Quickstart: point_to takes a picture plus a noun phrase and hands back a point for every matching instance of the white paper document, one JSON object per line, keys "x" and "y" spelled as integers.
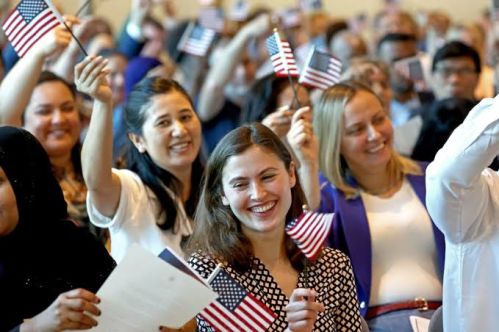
{"x": 144, "y": 292}
{"x": 419, "y": 324}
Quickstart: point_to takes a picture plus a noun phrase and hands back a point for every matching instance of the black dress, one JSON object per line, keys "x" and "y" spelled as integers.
{"x": 46, "y": 254}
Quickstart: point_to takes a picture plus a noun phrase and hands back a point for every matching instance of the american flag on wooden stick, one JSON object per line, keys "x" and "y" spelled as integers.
{"x": 321, "y": 70}
{"x": 310, "y": 231}
{"x": 28, "y": 23}
{"x": 196, "y": 40}
{"x": 281, "y": 56}
{"x": 236, "y": 309}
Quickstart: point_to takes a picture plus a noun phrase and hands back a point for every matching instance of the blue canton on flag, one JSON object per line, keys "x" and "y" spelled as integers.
{"x": 231, "y": 293}
{"x": 321, "y": 70}
{"x": 235, "y": 310}
{"x": 196, "y": 40}
{"x": 28, "y": 23}
{"x": 281, "y": 56}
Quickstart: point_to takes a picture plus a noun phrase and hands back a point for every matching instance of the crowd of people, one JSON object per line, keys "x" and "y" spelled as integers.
{"x": 214, "y": 156}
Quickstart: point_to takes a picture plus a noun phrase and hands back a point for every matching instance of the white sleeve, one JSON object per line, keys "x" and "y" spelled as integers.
{"x": 461, "y": 192}
{"x": 133, "y": 197}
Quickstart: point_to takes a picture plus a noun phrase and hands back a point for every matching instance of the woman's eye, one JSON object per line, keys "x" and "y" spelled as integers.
{"x": 43, "y": 111}
{"x": 186, "y": 118}
{"x": 163, "y": 123}
{"x": 68, "y": 109}
{"x": 354, "y": 131}
{"x": 269, "y": 177}
{"x": 379, "y": 119}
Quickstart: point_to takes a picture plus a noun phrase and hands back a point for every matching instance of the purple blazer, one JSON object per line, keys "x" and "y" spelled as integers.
{"x": 350, "y": 232}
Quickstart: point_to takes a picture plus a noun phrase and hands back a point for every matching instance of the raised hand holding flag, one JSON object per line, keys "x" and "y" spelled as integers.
{"x": 28, "y": 22}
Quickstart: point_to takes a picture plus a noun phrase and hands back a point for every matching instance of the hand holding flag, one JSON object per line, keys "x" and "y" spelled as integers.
{"x": 310, "y": 231}
{"x": 301, "y": 306}
{"x": 36, "y": 22}
{"x": 29, "y": 22}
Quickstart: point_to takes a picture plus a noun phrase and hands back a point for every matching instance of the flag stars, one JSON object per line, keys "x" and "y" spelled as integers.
{"x": 29, "y": 9}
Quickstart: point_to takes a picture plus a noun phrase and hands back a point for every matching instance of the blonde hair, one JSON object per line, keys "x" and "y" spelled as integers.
{"x": 328, "y": 126}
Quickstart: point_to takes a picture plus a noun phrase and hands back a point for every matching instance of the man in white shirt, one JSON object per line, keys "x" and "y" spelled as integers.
{"x": 463, "y": 200}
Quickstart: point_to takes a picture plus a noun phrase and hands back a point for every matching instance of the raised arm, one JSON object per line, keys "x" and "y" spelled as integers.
{"x": 303, "y": 142}
{"x": 18, "y": 85}
{"x": 459, "y": 191}
{"x": 211, "y": 97}
{"x": 97, "y": 151}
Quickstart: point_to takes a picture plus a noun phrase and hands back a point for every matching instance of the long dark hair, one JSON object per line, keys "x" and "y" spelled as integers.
{"x": 155, "y": 177}
{"x": 217, "y": 230}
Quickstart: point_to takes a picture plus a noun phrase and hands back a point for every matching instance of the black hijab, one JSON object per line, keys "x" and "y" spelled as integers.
{"x": 46, "y": 254}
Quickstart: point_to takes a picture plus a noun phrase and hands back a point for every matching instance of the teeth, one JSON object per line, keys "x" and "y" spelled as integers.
{"x": 376, "y": 148}
{"x": 263, "y": 208}
{"x": 180, "y": 146}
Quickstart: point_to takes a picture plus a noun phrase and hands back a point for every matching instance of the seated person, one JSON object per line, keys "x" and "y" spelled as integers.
{"x": 49, "y": 268}
{"x": 250, "y": 193}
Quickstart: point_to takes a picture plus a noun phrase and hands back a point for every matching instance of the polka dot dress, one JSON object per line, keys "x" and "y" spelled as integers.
{"x": 330, "y": 276}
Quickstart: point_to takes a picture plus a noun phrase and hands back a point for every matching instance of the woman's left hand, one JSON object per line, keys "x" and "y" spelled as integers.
{"x": 302, "y": 310}
{"x": 301, "y": 137}
{"x": 90, "y": 78}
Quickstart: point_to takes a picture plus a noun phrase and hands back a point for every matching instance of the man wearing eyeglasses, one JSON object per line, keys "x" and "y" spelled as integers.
{"x": 455, "y": 70}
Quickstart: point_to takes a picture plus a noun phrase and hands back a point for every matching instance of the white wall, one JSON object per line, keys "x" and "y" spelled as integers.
{"x": 462, "y": 10}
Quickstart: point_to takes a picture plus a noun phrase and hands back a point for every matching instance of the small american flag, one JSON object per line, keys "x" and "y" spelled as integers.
{"x": 196, "y": 40}
{"x": 235, "y": 310}
{"x": 281, "y": 56}
{"x": 321, "y": 70}
{"x": 27, "y": 23}
{"x": 309, "y": 231}
{"x": 310, "y": 5}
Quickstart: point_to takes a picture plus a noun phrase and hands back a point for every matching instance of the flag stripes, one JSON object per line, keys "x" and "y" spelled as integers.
{"x": 28, "y": 23}
{"x": 321, "y": 70}
{"x": 281, "y": 56}
{"x": 236, "y": 310}
{"x": 310, "y": 231}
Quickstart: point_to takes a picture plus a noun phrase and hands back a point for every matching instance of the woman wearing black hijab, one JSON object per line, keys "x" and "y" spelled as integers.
{"x": 49, "y": 268}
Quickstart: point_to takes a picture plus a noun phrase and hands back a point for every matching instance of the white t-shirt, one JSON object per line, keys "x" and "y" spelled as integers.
{"x": 135, "y": 220}
{"x": 404, "y": 255}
